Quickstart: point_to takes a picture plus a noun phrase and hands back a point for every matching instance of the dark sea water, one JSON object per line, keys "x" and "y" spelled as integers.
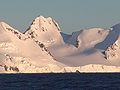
{"x": 66, "y": 81}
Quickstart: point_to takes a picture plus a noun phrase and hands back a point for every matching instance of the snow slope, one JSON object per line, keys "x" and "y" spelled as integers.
{"x": 44, "y": 48}
{"x": 19, "y": 51}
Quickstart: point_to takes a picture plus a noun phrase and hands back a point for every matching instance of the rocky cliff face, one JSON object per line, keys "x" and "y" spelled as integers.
{"x": 113, "y": 52}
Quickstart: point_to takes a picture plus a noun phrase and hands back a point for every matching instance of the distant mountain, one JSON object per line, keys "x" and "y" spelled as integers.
{"x": 43, "y": 47}
{"x": 114, "y": 33}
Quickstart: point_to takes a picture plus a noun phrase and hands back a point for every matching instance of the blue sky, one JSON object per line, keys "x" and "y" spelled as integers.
{"x": 72, "y": 15}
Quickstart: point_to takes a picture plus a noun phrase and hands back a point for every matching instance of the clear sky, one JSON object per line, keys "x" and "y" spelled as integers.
{"x": 72, "y": 15}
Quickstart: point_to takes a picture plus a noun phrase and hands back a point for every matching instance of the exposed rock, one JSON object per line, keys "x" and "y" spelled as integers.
{"x": 113, "y": 52}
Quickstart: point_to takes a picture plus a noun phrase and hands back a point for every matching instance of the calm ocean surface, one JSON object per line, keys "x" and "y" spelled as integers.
{"x": 66, "y": 81}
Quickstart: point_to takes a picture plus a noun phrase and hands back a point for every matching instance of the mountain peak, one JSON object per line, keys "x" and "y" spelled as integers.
{"x": 45, "y": 30}
{"x": 43, "y": 24}
{"x": 40, "y": 19}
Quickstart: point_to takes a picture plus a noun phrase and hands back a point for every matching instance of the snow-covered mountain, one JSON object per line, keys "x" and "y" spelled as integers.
{"x": 114, "y": 33}
{"x": 113, "y": 52}
{"x": 45, "y": 30}
{"x": 43, "y": 47}
{"x": 19, "y": 51}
